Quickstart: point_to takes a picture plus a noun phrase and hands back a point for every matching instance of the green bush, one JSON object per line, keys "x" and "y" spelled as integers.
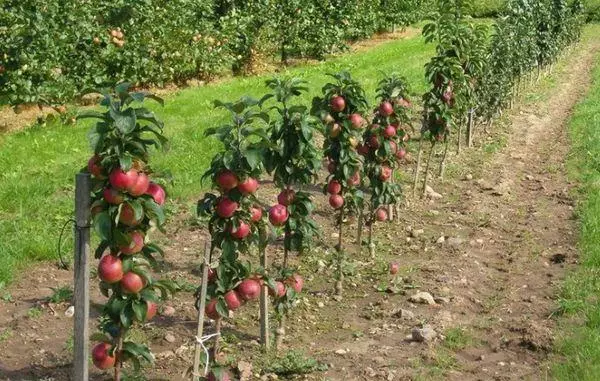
{"x": 50, "y": 50}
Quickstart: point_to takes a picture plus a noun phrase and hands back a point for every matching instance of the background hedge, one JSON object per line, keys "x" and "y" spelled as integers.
{"x": 52, "y": 49}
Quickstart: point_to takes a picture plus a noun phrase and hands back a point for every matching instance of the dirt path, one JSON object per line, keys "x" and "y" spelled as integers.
{"x": 509, "y": 236}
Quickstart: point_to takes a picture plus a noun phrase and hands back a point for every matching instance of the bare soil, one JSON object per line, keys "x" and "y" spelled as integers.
{"x": 509, "y": 236}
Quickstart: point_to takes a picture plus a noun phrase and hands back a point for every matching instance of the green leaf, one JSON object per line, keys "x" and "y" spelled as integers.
{"x": 139, "y": 310}
{"x": 154, "y": 211}
{"x": 125, "y": 121}
{"x": 103, "y": 225}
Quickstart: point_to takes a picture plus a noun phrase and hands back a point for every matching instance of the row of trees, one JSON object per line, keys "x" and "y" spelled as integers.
{"x": 473, "y": 77}
{"x": 274, "y": 136}
{"x": 50, "y": 50}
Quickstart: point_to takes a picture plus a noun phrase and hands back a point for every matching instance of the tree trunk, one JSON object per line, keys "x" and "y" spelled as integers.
{"x": 427, "y": 170}
{"x": 339, "y": 286}
{"x": 443, "y": 162}
{"x": 418, "y": 167}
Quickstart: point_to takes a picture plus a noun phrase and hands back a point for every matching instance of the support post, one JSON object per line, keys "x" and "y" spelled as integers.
{"x": 81, "y": 293}
{"x": 200, "y": 328}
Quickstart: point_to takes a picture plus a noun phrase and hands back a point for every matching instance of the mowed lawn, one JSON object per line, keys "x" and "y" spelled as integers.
{"x": 38, "y": 165}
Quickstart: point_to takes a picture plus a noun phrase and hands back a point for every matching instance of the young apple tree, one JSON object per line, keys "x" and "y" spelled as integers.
{"x": 126, "y": 207}
{"x": 294, "y": 162}
{"x": 341, "y": 108}
{"x": 236, "y": 220}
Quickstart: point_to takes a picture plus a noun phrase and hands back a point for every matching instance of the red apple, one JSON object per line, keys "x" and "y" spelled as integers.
{"x": 390, "y": 131}
{"x": 354, "y": 180}
{"x": 386, "y": 109}
{"x": 336, "y": 201}
{"x": 393, "y": 146}
{"x": 136, "y": 245}
{"x": 110, "y": 269}
{"x": 127, "y": 216}
{"x": 227, "y": 180}
{"x": 357, "y": 120}
{"x": 140, "y": 186}
{"x": 132, "y": 283}
{"x": 286, "y": 197}
{"x": 401, "y": 153}
{"x": 113, "y": 196}
{"x": 95, "y": 168}
{"x": 241, "y": 232}
{"x": 226, "y": 207}
{"x": 256, "y": 213}
{"x": 122, "y": 180}
{"x": 233, "y": 300}
{"x": 362, "y": 149}
{"x": 278, "y": 215}
{"x": 279, "y": 290}
{"x": 211, "y": 309}
{"x": 337, "y": 103}
{"x": 334, "y": 187}
{"x": 373, "y": 142}
{"x": 296, "y": 282}
{"x": 101, "y": 358}
{"x": 157, "y": 193}
{"x": 335, "y": 130}
{"x": 249, "y": 186}
{"x": 151, "y": 309}
{"x": 381, "y": 214}
{"x": 385, "y": 173}
{"x": 394, "y": 268}
{"x": 249, "y": 289}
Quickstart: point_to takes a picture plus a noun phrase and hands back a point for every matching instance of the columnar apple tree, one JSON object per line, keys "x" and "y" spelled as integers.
{"x": 126, "y": 207}
{"x": 341, "y": 108}
{"x": 294, "y": 162}
{"x": 447, "y": 78}
{"x": 384, "y": 147}
{"x": 236, "y": 219}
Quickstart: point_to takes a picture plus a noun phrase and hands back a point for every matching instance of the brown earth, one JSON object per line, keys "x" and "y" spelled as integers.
{"x": 508, "y": 228}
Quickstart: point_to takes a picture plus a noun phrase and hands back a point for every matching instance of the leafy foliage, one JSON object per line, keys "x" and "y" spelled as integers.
{"x": 121, "y": 140}
{"x": 52, "y": 50}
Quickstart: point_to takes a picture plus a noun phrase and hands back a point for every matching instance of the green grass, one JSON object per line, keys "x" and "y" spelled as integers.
{"x": 578, "y": 349}
{"x": 37, "y": 165}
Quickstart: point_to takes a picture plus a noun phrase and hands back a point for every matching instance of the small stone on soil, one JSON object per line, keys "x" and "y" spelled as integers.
{"x": 427, "y": 333}
{"x": 170, "y": 338}
{"x": 422, "y": 297}
{"x": 341, "y": 352}
{"x": 441, "y": 240}
{"x": 168, "y": 311}
{"x": 70, "y": 311}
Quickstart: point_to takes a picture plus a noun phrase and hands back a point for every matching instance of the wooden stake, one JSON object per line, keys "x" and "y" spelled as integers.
{"x": 82, "y": 277}
{"x": 470, "y": 125}
{"x": 339, "y": 285}
{"x": 264, "y": 305}
{"x": 200, "y": 327}
{"x": 360, "y": 229}
{"x": 418, "y": 167}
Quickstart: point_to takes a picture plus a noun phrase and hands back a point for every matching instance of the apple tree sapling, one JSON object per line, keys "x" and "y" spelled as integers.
{"x": 294, "y": 161}
{"x": 236, "y": 221}
{"x": 385, "y": 138}
{"x": 341, "y": 108}
{"x": 126, "y": 207}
